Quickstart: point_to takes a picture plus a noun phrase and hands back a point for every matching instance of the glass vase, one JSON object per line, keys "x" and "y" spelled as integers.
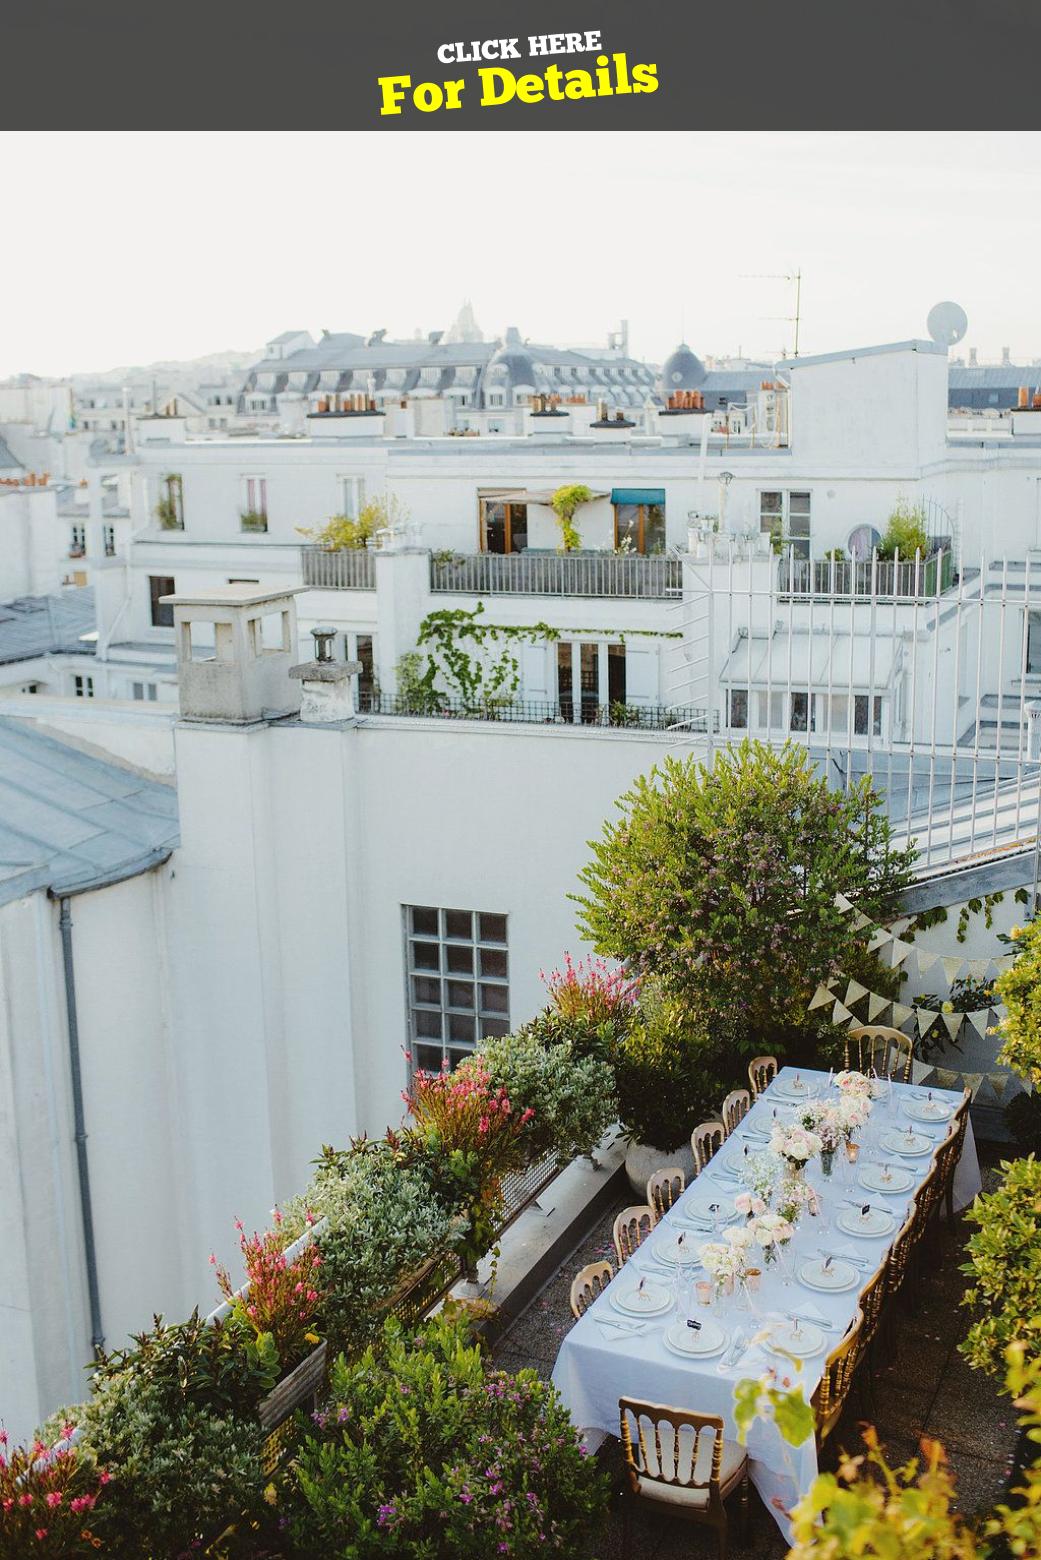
{"x": 827, "y": 1162}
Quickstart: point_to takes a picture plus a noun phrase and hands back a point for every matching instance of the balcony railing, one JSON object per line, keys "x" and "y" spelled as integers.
{"x": 867, "y": 578}
{"x": 557, "y": 574}
{"x": 538, "y": 712}
{"x": 348, "y": 569}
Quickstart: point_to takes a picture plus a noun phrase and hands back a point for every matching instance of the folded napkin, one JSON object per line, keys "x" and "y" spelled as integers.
{"x": 808, "y": 1312}
{"x": 847, "y": 1254}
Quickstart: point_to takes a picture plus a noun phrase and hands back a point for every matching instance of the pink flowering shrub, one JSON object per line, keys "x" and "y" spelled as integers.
{"x": 424, "y": 1450}
{"x": 591, "y": 990}
{"x": 47, "y": 1497}
{"x": 284, "y": 1297}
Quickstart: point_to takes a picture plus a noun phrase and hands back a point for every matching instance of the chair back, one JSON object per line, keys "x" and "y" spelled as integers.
{"x": 762, "y": 1070}
{"x": 871, "y": 1300}
{"x": 926, "y": 1201}
{"x": 877, "y": 1045}
{"x": 900, "y": 1255}
{"x": 836, "y": 1380}
{"x": 673, "y": 1447}
{"x": 706, "y": 1140}
{"x": 664, "y": 1188}
{"x": 629, "y": 1229}
{"x": 735, "y": 1107}
{"x": 587, "y": 1283}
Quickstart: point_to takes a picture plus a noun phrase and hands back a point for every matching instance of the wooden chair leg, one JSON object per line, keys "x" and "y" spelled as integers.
{"x": 722, "y": 1536}
{"x": 627, "y": 1525}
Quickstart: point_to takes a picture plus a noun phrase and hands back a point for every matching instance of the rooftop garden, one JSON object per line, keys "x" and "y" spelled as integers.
{"x": 341, "y": 1401}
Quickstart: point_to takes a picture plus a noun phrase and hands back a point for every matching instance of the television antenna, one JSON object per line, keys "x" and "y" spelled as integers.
{"x": 794, "y": 279}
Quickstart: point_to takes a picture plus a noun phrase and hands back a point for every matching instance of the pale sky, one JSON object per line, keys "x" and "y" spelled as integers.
{"x": 132, "y": 247}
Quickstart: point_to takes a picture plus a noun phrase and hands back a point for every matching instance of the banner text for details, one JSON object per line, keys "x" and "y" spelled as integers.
{"x": 609, "y": 76}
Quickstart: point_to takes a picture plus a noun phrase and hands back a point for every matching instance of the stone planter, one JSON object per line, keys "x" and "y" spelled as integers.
{"x": 293, "y": 1391}
{"x": 641, "y": 1161}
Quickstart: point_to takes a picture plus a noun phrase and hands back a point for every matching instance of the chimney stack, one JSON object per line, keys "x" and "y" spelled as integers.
{"x": 327, "y": 686}
{"x": 1005, "y": 358}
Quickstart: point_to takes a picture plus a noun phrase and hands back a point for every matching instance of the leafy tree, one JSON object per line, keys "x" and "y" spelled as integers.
{"x": 1019, "y": 988}
{"x": 1005, "y": 1268}
{"x": 721, "y": 883}
{"x": 905, "y": 533}
{"x": 342, "y": 534}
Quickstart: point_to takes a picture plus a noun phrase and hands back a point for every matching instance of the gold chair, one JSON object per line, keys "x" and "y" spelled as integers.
{"x": 664, "y": 1188}
{"x": 871, "y": 1301}
{"x": 589, "y": 1282}
{"x": 706, "y": 1140}
{"x": 926, "y": 1201}
{"x": 628, "y": 1230}
{"x": 762, "y": 1070}
{"x": 900, "y": 1256}
{"x": 878, "y": 1046}
{"x": 837, "y": 1379}
{"x": 680, "y": 1461}
{"x": 735, "y": 1108}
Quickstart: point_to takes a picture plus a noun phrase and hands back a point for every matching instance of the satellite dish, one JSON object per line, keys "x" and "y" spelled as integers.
{"x": 947, "y": 323}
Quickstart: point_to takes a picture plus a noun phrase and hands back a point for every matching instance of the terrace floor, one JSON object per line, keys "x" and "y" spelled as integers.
{"x": 923, "y": 1387}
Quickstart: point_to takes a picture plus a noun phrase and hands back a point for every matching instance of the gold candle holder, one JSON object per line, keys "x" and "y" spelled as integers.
{"x": 703, "y": 1291}
{"x": 852, "y": 1151}
{"x": 753, "y": 1277}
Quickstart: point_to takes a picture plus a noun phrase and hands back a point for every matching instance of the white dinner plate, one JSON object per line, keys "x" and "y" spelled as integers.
{"x": 873, "y": 1177}
{"x": 789, "y": 1089}
{"x": 681, "y": 1248}
{"x": 696, "y": 1343}
{"x": 927, "y": 1110}
{"x": 912, "y": 1145}
{"x": 869, "y": 1226}
{"x": 808, "y": 1340}
{"x": 830, "y": 1281}
{"x": 652, "y": 1300}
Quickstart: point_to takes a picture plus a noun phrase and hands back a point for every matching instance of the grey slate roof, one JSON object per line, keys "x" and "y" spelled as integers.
{"x": 70, "y": 821}
{"x": 41, "y": 625}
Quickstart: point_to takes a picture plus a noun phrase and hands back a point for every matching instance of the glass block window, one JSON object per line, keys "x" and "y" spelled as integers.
{"x": 457, "y": 973}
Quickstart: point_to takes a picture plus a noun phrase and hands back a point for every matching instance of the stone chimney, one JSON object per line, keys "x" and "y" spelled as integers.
{"x": 327, "y": 686}
{"x": 972, "y": 357}
{"x": 1005, "y": 357}
{"x": 234, "y": 652}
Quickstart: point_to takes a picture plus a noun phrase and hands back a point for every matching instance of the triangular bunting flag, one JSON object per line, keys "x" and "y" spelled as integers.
{"x": 875, "y": 1006}
{"x": 978, "y": 968}
{"x": 821, "y": 997}
{"x": 980, "y": 1020}
{"x": 900, "y": 951}
{"x": 999, "y": 1082}
{"x": 854, "y": 992}
{"x": 925, "y": 960}
{"x": 951, "y": 967}
{"x": 954, "y": 1022}
{"x": 842, "y": 903}
{"x": 832, "y": 982}
{"x": 945, "y": 1078}
{"x": 972, "y": 1082}
{"x": 926, "y": 1019}
{"x": 901, "y": 1013}
{"x": 840, "y": 1014}
{"x": 879, "y": 938}
{"x": 860, "y": 920}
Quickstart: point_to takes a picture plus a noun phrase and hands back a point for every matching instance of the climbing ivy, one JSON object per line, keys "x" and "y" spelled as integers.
{"x": 488, "y": 676}
{"x": 565, "y": 501}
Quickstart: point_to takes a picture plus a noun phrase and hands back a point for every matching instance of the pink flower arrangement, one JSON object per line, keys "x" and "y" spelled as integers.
{"x": 853, "y": 1083}
{"x": 749, "y": 1204}
{"x": 591, "y": 989}
{"x": 464, "y": 1111}
{"x": 284, "y": 1297}
{"x": 46, "y": 1496}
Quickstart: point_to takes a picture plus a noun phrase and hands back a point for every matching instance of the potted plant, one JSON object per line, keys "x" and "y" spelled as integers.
{"x": 48, "y": 1492}
{"x": 669, "y": 1076}
{"x": 253, "y": 520}
{"x": 279, "y": 1304}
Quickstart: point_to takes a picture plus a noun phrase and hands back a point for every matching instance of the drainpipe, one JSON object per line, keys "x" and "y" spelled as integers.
{"x": 97, "y": 1337}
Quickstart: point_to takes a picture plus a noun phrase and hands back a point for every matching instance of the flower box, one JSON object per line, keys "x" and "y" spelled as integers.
{"x": 294, "y": 1390}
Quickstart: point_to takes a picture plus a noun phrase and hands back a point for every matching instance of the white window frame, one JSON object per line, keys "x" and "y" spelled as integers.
{"x": 254, "y": 494}
{"x": 788, "y": 539}
{"x": 352, "y": 496}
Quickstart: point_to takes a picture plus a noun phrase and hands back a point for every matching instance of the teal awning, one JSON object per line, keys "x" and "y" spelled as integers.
{"x": 638, "y": 496}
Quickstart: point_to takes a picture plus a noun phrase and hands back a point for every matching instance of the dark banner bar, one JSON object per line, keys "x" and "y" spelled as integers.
{"x": 759, "y": 64}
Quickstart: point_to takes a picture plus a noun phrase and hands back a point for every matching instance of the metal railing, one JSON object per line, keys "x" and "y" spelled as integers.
{"x": 867, "y": 578}
{"x": 557, "y": 574}
{"x": 616, "y": 716}
{"x": 352, "y": 568}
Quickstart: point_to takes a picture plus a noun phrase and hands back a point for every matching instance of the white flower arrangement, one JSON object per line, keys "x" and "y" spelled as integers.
{"x": 772, "y": 1229}
{"x": 852, "y": 1112}
{"x": 795, "y": 1144}
{"x": 853, "y": 1083}
{"x": 750, "y": 1204}
{"x": 761, "y": 1172}
{"x": 725, "y": 1260}
{"x": 796, "y": 1197}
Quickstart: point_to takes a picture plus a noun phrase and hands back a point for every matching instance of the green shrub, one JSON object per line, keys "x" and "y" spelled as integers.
{"x": 1005, "y": 1268}
{"x": 565, "y": 501}
{"x": 721, "y": 883}
{"x": 174, "y": 1422}
{"x": 572, "y": 1095}
{"x": 905, "y": 533}
{"x": 671, "y": 1072}
{"x": 385, "y": 1223}
{"x": 1019, "y": 988}
{"x": 426, "y": 1453}
{"x": 342, "y": 534}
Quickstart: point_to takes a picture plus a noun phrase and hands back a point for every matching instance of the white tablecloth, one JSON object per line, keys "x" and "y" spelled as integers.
{"x": 597, "y": 1364}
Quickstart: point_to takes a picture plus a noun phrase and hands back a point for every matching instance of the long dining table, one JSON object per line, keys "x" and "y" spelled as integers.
{"x": 611, "y": 1353}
